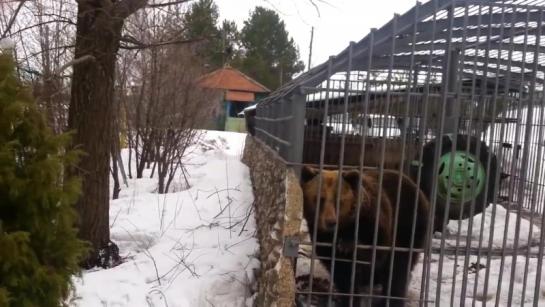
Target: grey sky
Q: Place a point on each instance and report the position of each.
(339, 22)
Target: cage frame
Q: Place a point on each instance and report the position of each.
(442, 27)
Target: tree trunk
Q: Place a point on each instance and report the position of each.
(115, 167)
(116, 145)
(91, 114)
(115, 174)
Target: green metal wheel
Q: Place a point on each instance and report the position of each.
(466, 174)
(463, 179)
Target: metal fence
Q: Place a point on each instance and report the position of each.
(450, 94)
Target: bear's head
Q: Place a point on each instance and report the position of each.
(325, 196)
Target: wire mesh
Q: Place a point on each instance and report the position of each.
(426, 140)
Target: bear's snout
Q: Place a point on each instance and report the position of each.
(330, 225)
(329, 219)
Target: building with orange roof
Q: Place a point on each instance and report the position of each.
(239, 92)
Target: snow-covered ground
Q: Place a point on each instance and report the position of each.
(532, 195)
(496, 231)
(497, 226)
(195, 247)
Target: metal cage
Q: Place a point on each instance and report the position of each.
(451, 95)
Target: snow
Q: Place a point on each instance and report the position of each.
(304, 262)
(512, 158)
(193, 247)
(451, 286)
(7, 43)
(252, 107)
(498, 221)
(472, 272)
(189, 248)
(457, 270)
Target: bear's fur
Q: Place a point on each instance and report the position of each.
(344, 219)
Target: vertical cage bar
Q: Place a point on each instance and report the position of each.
(439, 141)
(411, 84)
(424, 285)
(504, 134)
(383, 147)
(525, 156)
(472, 95)
(282, 110)
(479, 129)
(296, 128)
(321, 168)
(535, 182)
(496, 179)
(341, 166)
(367, 90)
(452, 112)
(450, 122)
(512, 188)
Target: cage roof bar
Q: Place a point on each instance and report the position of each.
(404, 23)
(473, 20)
(491, 20)
(495, 33)
(382, 36)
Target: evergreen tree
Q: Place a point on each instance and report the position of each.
(39, 249)
(271, 56)
(218, 45)
(200, 23)
(230, 42)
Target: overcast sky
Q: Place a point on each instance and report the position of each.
(338, 22)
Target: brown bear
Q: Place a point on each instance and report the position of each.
(326, 217)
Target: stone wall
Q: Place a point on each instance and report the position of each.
(278, 211)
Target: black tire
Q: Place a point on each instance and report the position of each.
(482, 200)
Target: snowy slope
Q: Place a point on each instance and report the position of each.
(195, 247)
(495, 228)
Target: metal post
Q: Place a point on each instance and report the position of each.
(452, 111)
(283, 131)
(258, 123)
(296, 126)
(276, 130)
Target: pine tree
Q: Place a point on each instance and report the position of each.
(271, 56)
(39, 249)
(200, 23)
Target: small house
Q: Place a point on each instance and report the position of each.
(239, 92)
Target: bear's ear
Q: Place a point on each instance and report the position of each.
(307, 173)
(353, 178)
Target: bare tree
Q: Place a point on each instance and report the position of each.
(99, 35)
(184, 107)
(51, 88)
(85, 36)
(43, 32)
(166, 104)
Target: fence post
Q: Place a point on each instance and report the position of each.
(453, 108)
(296, 129)
(258, 123)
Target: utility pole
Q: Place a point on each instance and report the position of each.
(310, 47)
(223, 51)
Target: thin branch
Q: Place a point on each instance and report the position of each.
(48, 49)
(315, 7)
(223, 190)
(75, 62)
(150, 256)
(246, 220)
(125, 8)
(12, 20)
(43, 23)
(156, 5)
(140, 45)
